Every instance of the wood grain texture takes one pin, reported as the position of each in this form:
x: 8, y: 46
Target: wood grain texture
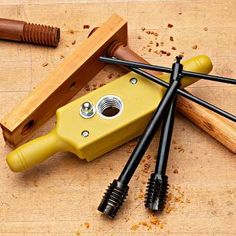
x: 61, y: 195
x: 73, y: 74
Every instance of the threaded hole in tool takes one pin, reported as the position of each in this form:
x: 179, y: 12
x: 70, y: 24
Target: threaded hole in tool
x: 27, y: 127
x: 109, y: 107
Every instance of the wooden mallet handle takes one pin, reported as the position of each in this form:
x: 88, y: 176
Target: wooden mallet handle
x: 218, y: 127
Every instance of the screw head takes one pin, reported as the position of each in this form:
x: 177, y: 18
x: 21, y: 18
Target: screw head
x: 87, y: 110
x: 85, y: 133
x: 133, y: 81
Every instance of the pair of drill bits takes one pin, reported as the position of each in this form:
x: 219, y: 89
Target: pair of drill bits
x: 157, y: 186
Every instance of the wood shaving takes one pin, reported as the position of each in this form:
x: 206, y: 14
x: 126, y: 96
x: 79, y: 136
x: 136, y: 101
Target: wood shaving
x: 87, y: 225
x: 175, y: 171
x: 44, y: 64
x: 86, y: 26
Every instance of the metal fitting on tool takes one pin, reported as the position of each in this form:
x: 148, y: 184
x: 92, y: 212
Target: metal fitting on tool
x: 87, y: 110
x: 22, y: 31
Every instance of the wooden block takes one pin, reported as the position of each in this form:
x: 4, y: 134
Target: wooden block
x: 62, y: 84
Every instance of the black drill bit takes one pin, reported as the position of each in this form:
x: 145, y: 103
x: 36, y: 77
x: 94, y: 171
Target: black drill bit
x: 118, y: 190
x: 157, y: 186
x: 134, y: 67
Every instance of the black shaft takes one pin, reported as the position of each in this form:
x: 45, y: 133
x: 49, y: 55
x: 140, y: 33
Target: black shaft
x: 166, y: 70
x: 152, y: 126
x: 165, y: 140
x: 186, y: 94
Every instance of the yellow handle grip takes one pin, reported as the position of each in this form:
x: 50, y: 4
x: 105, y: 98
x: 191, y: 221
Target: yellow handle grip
x: 34, y: 152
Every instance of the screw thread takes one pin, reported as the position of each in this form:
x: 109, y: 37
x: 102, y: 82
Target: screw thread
x: 112, y: 48
x: 156, y: 193
x: 41, y: 34
x: 113, y: 198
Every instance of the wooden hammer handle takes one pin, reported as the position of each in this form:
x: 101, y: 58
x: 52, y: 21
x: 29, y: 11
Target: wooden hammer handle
x: 218, y: 127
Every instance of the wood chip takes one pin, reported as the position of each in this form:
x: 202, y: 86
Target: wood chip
x: 173, y: 48
x: 86, y: 26
x: 194, y: 46
x: 169, y: 25
x: 175, y: 171
x: 87, y: 225
x: 44, y: 64
x: 163, y: 52
x: 143, y: 28
x: 71, y: 31
x: 134, y: 227
x: 171, y: 38
x: 74, y: 42
x: 205, y: 29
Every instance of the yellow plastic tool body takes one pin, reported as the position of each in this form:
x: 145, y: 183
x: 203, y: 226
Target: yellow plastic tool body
x: 102, y: 134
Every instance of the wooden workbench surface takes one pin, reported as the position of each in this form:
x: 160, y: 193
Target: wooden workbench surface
x: 60, y: 196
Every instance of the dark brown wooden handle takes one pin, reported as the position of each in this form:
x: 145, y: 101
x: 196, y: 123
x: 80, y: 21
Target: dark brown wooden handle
x: 22, y: 31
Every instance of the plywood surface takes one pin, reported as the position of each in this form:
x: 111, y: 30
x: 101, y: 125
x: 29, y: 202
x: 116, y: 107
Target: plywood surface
x: 60, y: 196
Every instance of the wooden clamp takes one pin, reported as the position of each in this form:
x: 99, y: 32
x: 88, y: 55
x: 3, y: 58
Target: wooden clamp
x: 76, y: 71
x: 64, y: 83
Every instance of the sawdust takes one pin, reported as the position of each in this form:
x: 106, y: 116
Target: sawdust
x: 152, y: 221
x: 134, y: 227
x: 175, y: 199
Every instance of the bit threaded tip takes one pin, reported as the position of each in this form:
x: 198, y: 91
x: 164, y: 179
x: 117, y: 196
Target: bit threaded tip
x: 113, y: 198
x: 156, y: 192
